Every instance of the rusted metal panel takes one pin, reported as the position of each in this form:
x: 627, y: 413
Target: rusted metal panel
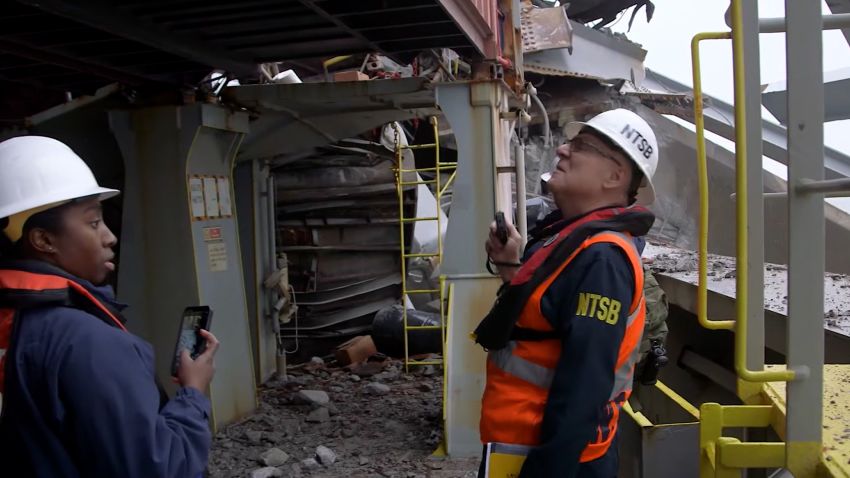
x: 595, y: 54
x: 479, y: 21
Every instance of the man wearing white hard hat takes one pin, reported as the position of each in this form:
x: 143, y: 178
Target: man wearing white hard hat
x: 78, y: 391
x: 563, y: 335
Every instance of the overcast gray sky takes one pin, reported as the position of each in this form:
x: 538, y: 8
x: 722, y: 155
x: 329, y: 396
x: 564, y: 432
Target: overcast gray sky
x: 668, y: 36
x: 667, y: 41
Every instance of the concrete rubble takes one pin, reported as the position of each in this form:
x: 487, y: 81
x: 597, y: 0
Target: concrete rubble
x: 682, y: 265
x: 321, y: 421
x: 274, y: 457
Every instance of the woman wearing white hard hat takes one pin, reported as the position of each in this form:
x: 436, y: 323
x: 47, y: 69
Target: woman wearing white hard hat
x: 78, y: 390
x: 563, y: 336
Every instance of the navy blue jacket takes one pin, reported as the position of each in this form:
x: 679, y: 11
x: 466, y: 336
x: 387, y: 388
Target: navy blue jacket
x: 584, y: 375
x: 81, y: 400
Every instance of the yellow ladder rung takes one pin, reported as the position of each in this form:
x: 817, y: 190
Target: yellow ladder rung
x: 415, y: 183
x: 424, y: 327
x: 424, y: 362
x: 428, y: 170
x: 734, y: 454
x: 422, y: 254
x: 401, y: 182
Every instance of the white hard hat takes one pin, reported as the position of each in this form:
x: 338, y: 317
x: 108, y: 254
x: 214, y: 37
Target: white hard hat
x: 36, y: 171
x: 634, y: 136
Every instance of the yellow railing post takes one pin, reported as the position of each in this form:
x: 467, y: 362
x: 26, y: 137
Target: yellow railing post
x: 741, y: 295
x: 702, y: 174
x: 741, y: 299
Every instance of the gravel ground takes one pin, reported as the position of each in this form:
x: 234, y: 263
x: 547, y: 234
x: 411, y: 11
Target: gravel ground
x: 323, y: 421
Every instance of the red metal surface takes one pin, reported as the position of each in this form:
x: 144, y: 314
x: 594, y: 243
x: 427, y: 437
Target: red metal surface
x: 479, y: 20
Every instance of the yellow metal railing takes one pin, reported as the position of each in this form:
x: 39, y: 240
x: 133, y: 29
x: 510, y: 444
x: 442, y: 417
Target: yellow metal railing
x: 721, y: 456
x: 702, y: 174
x: 741, y: 295
x: 439, y: 189
x: 724, y: 457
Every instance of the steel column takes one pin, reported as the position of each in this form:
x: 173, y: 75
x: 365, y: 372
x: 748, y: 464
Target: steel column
x: 473, y: 111
x: 804, y: 57
x: 187, y: 260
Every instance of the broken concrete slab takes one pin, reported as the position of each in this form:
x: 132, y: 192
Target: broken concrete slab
x: 254, y: 436
x: 274, y: 457
x: 680, y: 287
x: 325, y: 455
x: 375, y: 388
x: 267, y: 472
x: 290, y: 426
x: 313, y: 397
x: 319, y: 415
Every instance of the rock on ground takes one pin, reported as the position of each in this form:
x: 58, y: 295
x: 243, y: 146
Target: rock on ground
x: 325, y: 455
x: 266, y: 472
x: 274, y: 457
x: 387, y: 435
x: 375, y: 388
x: 313, y: 397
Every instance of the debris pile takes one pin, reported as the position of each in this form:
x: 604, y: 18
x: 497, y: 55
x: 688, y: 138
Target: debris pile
x: 368, y: 419
x: 682, y: 265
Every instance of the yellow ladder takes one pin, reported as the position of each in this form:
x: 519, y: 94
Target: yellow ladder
x: 439, y: 188
x: 801, y: 452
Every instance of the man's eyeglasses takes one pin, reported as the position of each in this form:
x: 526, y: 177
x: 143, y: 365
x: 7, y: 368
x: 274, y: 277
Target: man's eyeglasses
x: 578, y: 144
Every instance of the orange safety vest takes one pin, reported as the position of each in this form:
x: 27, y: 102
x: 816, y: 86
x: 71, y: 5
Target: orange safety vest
x: 519, y: 375
x: 22, y: 288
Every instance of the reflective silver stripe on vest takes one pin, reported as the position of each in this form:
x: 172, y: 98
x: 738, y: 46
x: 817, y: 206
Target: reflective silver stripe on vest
x: 623, y: 376
x: 520, y: 368
x: 542, y: 377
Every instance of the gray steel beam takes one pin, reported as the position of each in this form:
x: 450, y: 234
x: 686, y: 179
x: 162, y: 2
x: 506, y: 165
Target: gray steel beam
x: 113, y: 21
x: 836, y: 97
x: 719, y: 119
x: 75, y: 64
x: 840, y: 187
x: 154, y: 9
x: 830, y: 22
x: 310, y: 4
x: 372, y: 7
x: 840, y: 6
x: 804, y: 58
x: 240, y: 16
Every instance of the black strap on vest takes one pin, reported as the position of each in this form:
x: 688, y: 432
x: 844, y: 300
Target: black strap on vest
x: 522, y: 333
x: 499, y: 326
